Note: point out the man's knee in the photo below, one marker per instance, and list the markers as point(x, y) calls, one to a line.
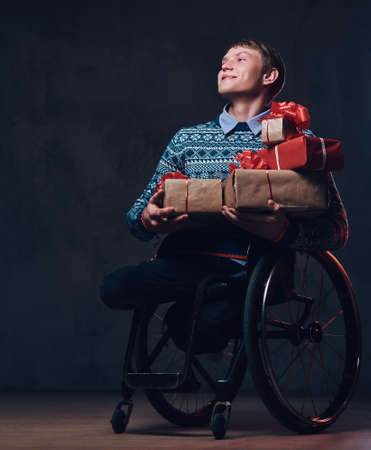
point(107, 291)
point(115, 290)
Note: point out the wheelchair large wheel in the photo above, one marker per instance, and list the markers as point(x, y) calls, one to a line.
point(303, 341)
point(155, 351)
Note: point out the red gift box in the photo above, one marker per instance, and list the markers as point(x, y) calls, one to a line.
point(286, 120)
point(305, 152)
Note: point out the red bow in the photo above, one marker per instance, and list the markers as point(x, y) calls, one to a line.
point(295, 113)
point(169, 175)
point(248, 160)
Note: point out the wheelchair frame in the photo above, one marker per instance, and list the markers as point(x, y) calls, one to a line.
point(225, 388)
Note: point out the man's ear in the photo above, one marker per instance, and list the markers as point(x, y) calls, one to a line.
point(270, 77)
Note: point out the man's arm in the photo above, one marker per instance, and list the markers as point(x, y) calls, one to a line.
point(172, 160)
point(329, 231)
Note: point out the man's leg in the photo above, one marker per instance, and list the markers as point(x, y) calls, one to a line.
point(161, 280)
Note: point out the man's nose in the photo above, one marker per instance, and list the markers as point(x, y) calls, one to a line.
point(227, 66)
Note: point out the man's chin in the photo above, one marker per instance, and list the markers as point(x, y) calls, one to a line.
point(232, 95)
point(229, 95)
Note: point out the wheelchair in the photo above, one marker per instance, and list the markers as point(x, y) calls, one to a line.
point(299, 334)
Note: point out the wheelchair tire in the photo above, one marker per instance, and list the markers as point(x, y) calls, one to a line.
point(219, 426)
point(185, 409)
point(119, 421)
point(304, 351)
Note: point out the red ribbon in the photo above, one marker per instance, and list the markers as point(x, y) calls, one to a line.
point(248, 160)
point(269, 184)
point(295, 113)
point(169, 175)
point(186, 197)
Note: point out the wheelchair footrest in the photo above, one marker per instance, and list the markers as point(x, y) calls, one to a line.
point(153, 380)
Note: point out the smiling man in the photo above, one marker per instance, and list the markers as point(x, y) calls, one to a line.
point(251, 75)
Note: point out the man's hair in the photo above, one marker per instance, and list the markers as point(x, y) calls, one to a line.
point(271, 58)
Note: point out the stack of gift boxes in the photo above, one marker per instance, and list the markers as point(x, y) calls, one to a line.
point(292, 170)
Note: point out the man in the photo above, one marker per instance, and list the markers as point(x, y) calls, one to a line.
point(251, 75)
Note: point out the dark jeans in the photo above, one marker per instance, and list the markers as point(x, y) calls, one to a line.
point(170, 278)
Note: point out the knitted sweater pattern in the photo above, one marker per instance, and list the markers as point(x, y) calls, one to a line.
point(204, 151)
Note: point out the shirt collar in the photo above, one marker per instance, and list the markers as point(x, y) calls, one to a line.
point(228, 122)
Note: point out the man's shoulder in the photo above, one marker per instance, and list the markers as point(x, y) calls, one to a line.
point(192, 131)
point(200, 127)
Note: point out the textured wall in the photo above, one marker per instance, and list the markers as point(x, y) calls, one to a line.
point(91, 93)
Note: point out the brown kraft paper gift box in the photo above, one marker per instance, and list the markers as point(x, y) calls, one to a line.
point(276, 130)
point(197, 197)
point(298, 194)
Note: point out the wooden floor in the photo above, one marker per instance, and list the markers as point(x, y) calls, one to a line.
point(76, 421)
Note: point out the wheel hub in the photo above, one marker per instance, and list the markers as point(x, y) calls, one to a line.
point(315, 332)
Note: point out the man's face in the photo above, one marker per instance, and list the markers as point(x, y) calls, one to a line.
point(241, 73)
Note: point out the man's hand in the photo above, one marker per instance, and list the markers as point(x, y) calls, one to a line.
point(267, 226)
point(162, 220)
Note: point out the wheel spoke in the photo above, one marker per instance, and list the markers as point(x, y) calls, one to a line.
point(170, 360)
point(334, 349)
point(290, 313)
point(321, 296)
point(273, 334)
point(317, 308)
point(204, 373)
point(290, 364)
point(158, 347)
point(313, 403)
point(277, 350)
point(289, 377)
point(328, 373)
point(332, 334)
point(278, 323)
point(329, 291)
point(323, 301)
point(324, 374)
point(308, 390)
point(302, 275)
point(329, 322)
point(273, 313)
point(324, 371)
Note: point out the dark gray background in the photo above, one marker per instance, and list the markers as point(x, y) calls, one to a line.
point(91, 93)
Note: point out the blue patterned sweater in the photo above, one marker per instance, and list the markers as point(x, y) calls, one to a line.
point(205, 151)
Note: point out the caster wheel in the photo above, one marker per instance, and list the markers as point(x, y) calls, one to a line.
point(219, 426)
point(119, 421)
